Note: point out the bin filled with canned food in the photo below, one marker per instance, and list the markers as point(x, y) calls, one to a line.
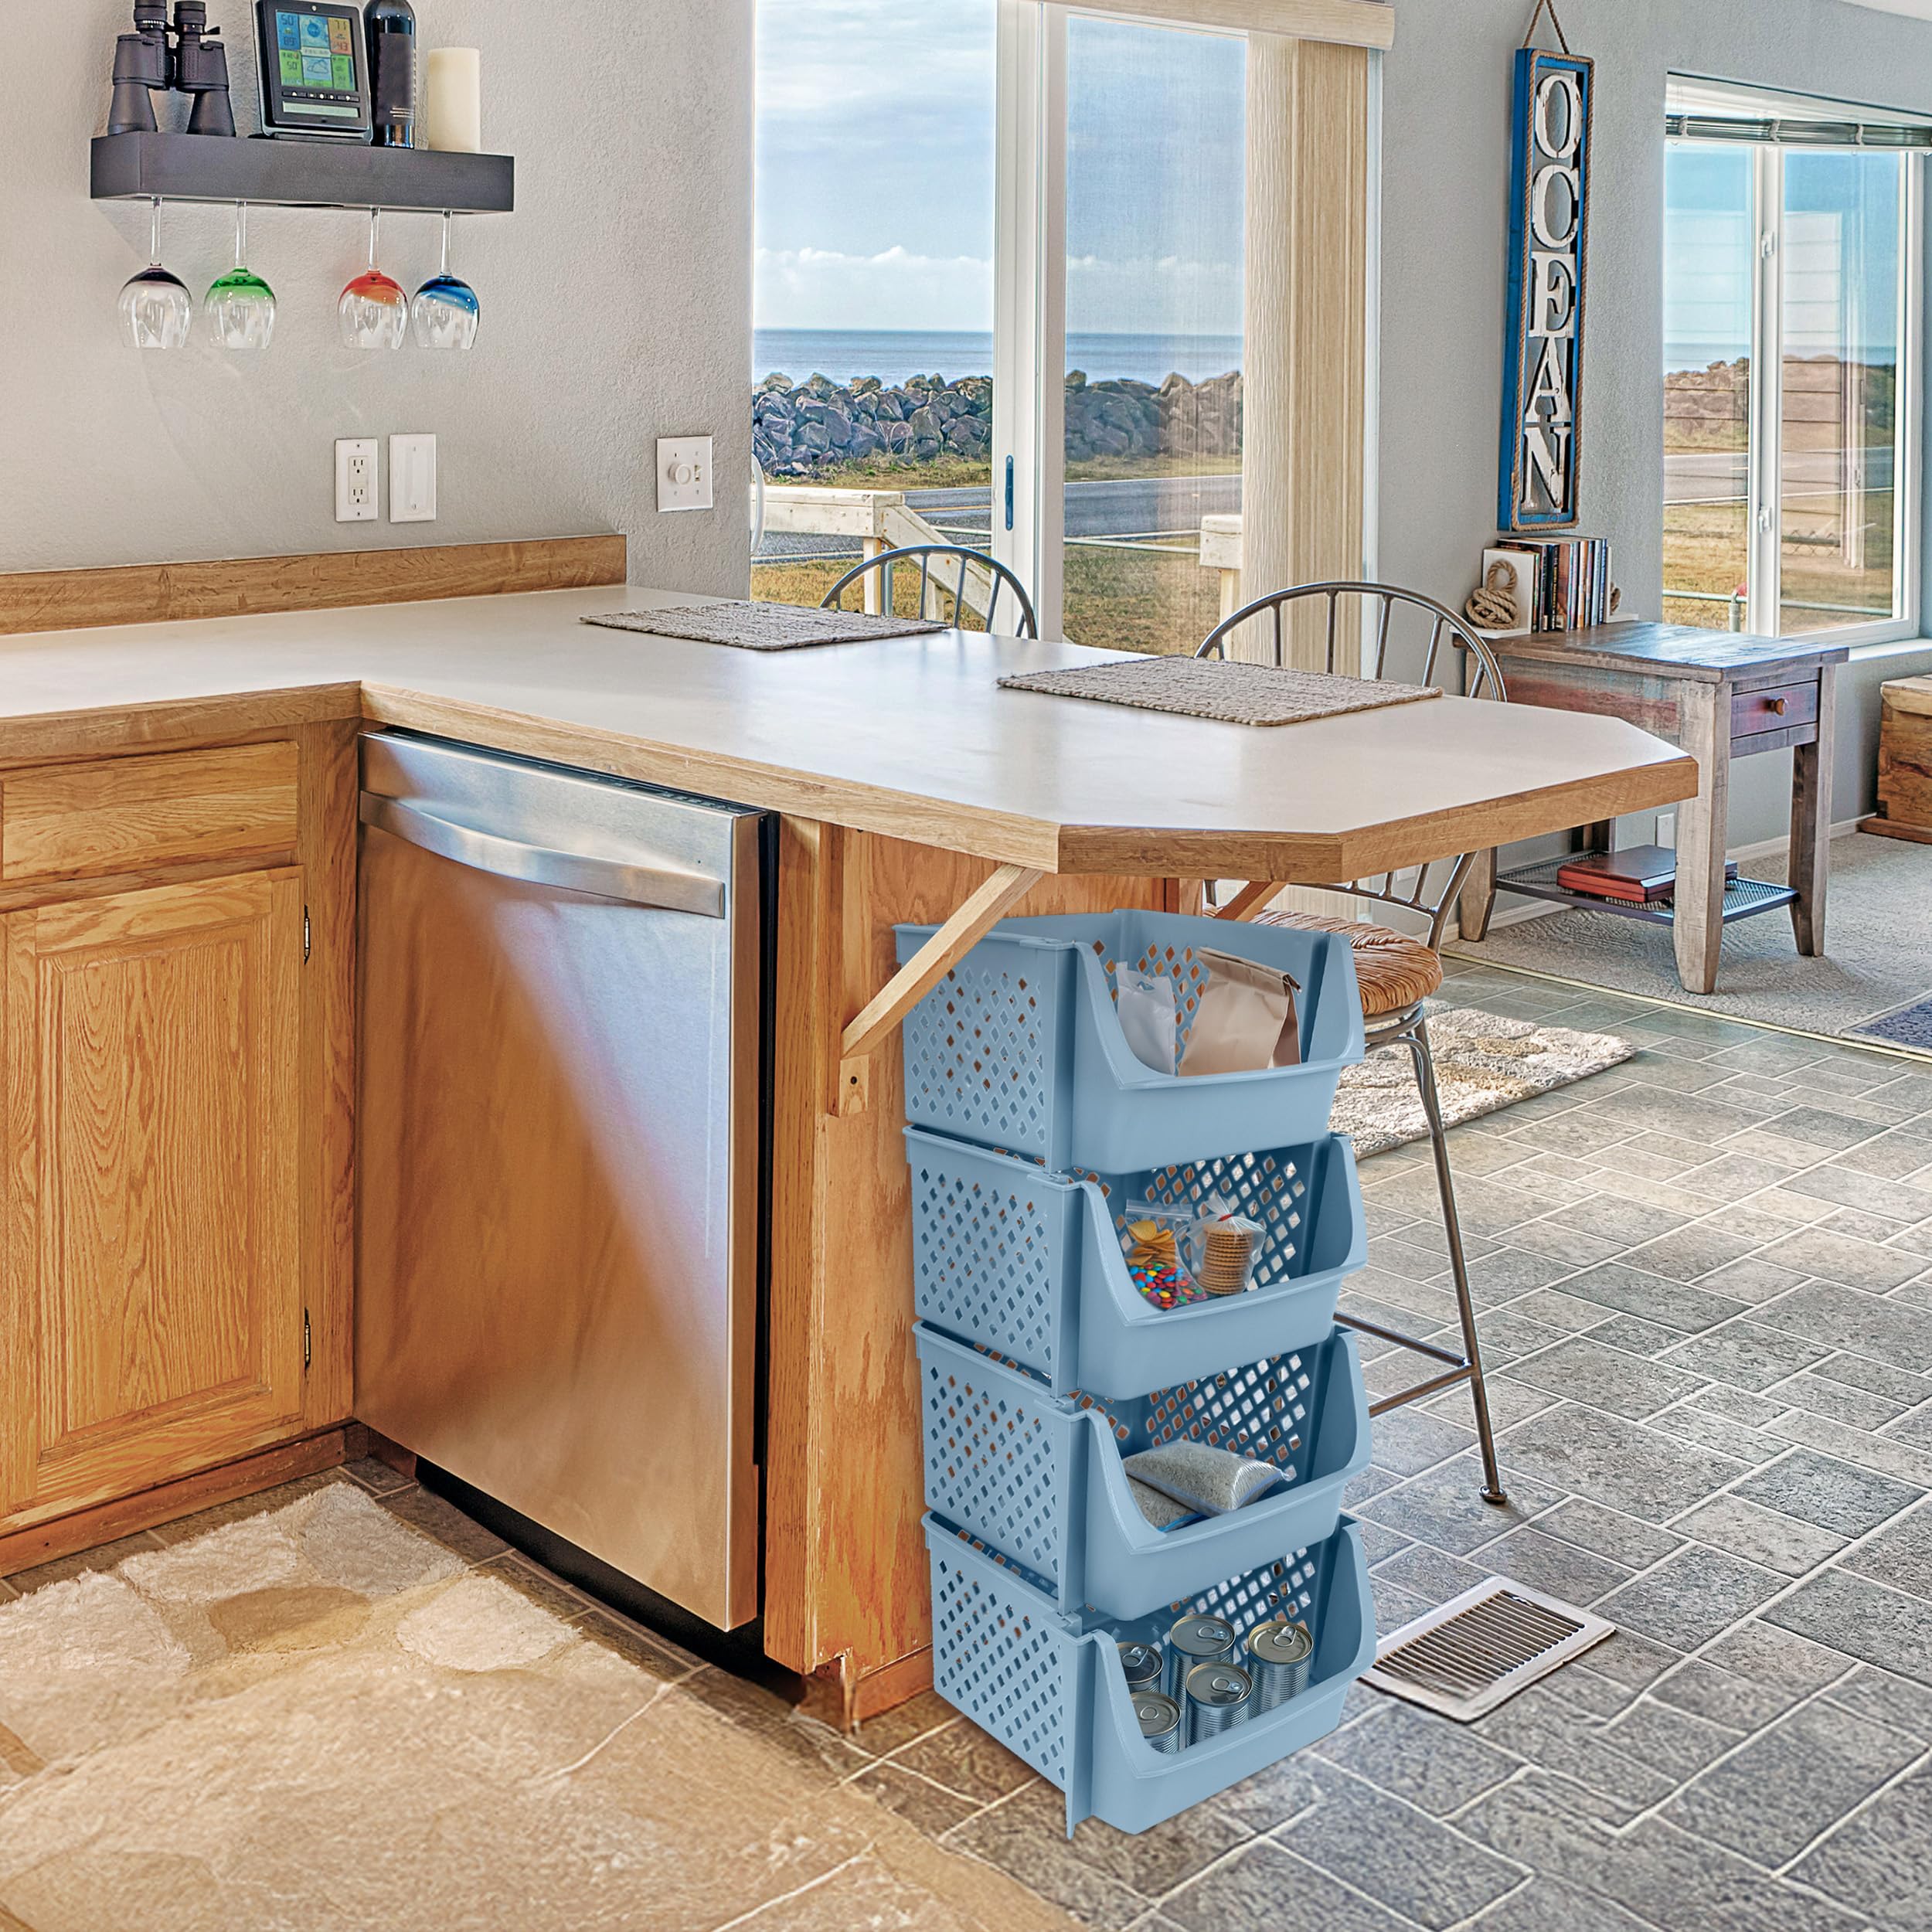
point(1135, 1720)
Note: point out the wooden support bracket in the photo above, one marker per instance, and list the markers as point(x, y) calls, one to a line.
point(873, 1027)
point(1251, 899)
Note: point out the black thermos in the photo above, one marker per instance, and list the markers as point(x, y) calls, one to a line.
point(390, 26)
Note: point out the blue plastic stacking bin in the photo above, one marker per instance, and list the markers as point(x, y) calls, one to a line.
point(1050, 1687)
point(1039, 1477)
point(1032, 1265)
point(1018, 1047)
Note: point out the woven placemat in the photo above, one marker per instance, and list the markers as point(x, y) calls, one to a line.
point(764, 627)
point(1231, 692)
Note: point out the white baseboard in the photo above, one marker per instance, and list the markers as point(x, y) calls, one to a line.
point(1525, 908)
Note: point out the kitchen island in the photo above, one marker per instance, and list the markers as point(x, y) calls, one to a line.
point(201, 777)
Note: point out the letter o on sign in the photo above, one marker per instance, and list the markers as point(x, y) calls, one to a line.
point(1559, 116)
point(1553, 216)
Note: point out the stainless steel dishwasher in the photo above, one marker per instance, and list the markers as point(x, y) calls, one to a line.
point(561, 989)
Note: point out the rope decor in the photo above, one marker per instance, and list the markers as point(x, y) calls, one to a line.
point(1493, 607)
point(1545, 6)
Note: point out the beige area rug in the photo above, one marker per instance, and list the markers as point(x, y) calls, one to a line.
point(1878, 946)
point(319, 1721)
point(1483, 1063)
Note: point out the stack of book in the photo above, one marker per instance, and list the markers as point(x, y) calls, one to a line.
point(1637, 876)
point(1568, 580)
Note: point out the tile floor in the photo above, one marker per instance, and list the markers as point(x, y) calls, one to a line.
point(1705, 1280)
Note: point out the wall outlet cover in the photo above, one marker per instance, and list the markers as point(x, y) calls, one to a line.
point(412, 479)
point(684, 473)
point(357, 489)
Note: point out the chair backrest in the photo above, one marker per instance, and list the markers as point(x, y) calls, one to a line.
point(970, 579)
point(1377, 615)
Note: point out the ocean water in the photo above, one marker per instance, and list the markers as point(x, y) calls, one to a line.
point(844, 354)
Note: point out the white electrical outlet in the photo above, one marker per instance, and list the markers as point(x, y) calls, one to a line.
point(356, 487)
point(1667, 830)
point(412, 479)
point(684, 473)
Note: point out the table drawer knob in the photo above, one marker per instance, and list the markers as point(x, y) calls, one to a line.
point(1776, 706)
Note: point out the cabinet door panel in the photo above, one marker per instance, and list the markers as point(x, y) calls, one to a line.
point(151, 1316)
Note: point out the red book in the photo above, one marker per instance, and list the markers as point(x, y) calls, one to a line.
point(1637, 876)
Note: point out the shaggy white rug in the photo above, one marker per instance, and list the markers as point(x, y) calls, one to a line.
point(1483, 1063)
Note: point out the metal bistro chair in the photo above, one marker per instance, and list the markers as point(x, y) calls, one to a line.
point(927, 555)
point(1398, 972)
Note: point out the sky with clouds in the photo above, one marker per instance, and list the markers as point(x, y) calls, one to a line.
point(875, 148)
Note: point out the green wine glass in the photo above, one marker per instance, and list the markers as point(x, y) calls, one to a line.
point(240, 307)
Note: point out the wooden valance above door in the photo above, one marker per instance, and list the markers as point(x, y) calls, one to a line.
point(1348, 23)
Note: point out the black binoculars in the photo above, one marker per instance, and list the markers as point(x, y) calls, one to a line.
point(145, 65)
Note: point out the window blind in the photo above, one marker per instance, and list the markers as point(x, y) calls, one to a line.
point(1353, 23)
point(1696, 110)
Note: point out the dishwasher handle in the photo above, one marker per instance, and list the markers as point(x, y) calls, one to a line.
point(661, 887)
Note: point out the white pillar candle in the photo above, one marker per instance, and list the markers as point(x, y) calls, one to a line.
point(453, 99)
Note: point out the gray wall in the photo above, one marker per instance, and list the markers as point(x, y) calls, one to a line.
point(616, 308)
point(1446, 106)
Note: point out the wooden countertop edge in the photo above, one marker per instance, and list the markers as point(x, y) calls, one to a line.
point(1005, 838)
point(123, 727)
point(1319, 858)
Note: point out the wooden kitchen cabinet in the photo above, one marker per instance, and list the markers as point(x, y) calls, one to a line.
point(153, 1316)
point(174, 1146)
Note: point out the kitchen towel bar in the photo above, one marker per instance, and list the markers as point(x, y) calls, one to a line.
point(1019, 1047)
point(1032, 1265)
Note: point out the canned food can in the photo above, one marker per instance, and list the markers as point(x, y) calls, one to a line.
point(1195, 1639)
point(1160, 1720)
point(1278, 1656)
point(1143, 1664)
point(1218, 1695)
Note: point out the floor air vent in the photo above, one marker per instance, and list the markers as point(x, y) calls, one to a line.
point(1480, 1649)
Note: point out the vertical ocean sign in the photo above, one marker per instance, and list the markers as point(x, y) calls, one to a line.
point(1549, 225)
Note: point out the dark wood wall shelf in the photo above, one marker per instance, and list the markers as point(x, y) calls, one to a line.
point(301, 174)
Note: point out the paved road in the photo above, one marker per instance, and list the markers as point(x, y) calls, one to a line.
point(1139, 506)
point(1717, 476)
point(1150, 506)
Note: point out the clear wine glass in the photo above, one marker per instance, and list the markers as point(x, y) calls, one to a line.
point(374, 310)
point(446, 312)
point(156, 310)
point(241, 306)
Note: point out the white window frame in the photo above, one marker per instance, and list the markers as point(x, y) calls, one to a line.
point(1030, 232)
point(1764, 526)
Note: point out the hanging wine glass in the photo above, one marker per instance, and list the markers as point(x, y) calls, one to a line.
point(241, 305)
point(156, 310)
point(374, 310)
point(446, 312)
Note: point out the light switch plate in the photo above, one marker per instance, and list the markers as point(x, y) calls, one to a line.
point(412, 479)
point(684, 473)
point(356, 486)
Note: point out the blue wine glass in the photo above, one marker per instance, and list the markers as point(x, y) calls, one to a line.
point(446, 313)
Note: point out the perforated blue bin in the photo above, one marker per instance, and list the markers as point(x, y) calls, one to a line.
point(1039, 1477)
point(1050, 1687)
point(1018, 1047)
point(1032, 1265)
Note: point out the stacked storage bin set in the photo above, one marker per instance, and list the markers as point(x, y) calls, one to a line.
point(1043, 1365)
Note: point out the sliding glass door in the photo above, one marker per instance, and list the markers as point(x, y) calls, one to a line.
point(873, 283)
point(1001, 286)
point(1155, 185)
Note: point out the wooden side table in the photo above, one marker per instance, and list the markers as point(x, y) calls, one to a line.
point(1718, 696)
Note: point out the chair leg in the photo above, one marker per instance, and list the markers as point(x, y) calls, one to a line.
point(1417, 1042)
